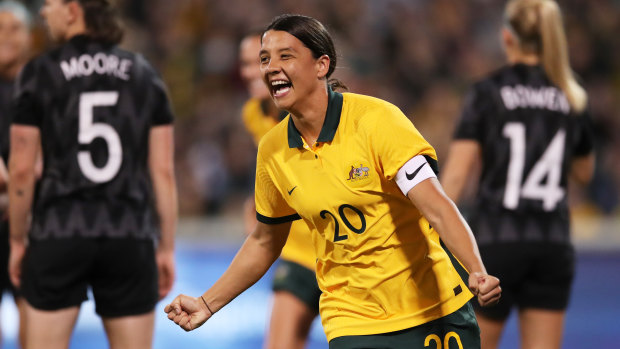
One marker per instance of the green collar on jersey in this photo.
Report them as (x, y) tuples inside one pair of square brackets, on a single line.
[(330, 125)]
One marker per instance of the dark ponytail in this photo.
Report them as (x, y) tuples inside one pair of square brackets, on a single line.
[(314, 36), (102, 21)]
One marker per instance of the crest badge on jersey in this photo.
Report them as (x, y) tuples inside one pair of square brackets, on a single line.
[(358, 173)]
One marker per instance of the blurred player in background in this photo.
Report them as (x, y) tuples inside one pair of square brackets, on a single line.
[(528, 125), (15, 21), (356, 170), (107, 193), (296, 292)]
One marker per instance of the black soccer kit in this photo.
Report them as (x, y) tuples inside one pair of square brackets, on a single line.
[(528, 137), (94, 105)]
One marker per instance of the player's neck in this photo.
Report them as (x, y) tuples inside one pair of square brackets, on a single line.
[(76, 28), (520, 57), (310, 115)]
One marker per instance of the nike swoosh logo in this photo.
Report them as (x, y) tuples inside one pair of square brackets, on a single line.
[(412, 175), (291, 191)]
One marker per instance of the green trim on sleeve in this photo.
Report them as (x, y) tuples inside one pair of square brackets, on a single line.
[(277, 220)]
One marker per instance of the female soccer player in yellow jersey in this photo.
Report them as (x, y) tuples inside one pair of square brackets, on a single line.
[(296, 292), (527, 124), (357, 172)]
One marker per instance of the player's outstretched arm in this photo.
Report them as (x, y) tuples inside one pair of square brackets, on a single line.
[(443, 215), (254, 258)]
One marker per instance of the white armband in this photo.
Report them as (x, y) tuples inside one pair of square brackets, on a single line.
[(413, 172)]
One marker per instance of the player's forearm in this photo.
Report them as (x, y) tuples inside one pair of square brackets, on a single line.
[(252, 261), (25, 142), (21, 192), (167, 207), (457, 236), (443, 215)]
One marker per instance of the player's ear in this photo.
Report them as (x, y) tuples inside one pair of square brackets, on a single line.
[(508, 38), (323, 63), (75, 12)]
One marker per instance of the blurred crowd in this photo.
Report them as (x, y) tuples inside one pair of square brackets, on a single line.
[(421, 55)]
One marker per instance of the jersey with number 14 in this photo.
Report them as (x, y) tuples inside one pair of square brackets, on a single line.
[(94, 105), (528, 135), (380, 266)]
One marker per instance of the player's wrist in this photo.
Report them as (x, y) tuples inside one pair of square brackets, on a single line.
[(165, 249), (205, 305)]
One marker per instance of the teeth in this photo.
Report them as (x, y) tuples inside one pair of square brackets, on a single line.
[(281, 92), (278, 82)]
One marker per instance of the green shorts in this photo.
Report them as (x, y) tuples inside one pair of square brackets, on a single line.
[(299, 281), (458, 330)]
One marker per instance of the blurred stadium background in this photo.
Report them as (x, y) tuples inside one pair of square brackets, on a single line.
[(421, 55)]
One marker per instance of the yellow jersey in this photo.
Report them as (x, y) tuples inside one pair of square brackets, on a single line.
[(380, 265), (298, 248)]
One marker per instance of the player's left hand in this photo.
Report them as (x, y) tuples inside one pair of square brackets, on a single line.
[(165, 271), (485, 287)]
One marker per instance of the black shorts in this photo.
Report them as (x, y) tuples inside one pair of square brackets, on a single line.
[(299, 281), (532, 275), (122, 273), (455, 331)]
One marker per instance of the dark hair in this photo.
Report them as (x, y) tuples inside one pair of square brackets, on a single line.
[(102, 22), (314, 36)]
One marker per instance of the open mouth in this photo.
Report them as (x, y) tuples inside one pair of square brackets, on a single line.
[(280, 88)]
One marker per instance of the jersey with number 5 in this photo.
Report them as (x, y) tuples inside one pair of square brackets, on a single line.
[(528, 136), (94, 105)]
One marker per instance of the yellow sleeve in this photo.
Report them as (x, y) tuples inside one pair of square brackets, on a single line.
[(271, 208), (255, 120), (395, 141)]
